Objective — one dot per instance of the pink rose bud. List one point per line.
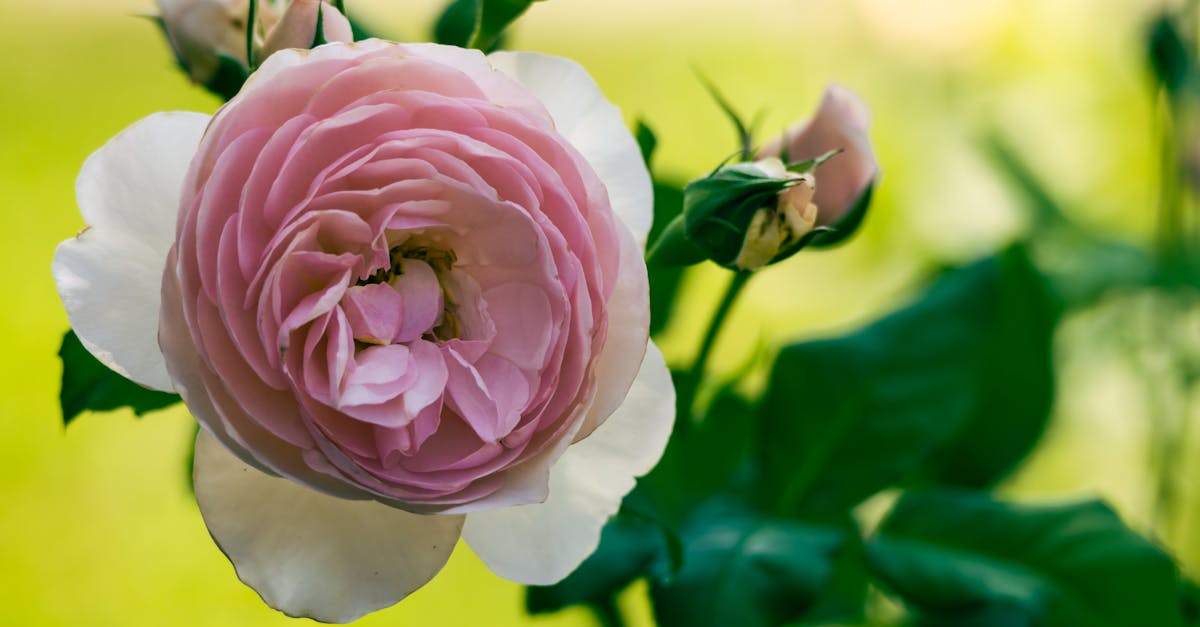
(202, 31)
(297, 27)
(840, 123)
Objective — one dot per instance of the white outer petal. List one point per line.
(312, 555)
(109, 276)
(595, 128)
(542, 543)
(628, 311)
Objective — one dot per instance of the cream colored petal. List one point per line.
(313, 555)
(110, 275)
(595, 128)
(542, 543)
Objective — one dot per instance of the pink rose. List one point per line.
(840, 123)
(402, 290)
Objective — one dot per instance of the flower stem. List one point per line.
(607, 613)
(251, 20)
(696, 373)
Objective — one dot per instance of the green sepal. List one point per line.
(672, 248)
(744, 132)
(847, 225)
(718, 209)
(804, 167)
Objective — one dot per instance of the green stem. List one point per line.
(607, 613)
(251, 19)
(696, 373)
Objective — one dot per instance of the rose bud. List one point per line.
(402, 289)
(203, 31)
(297, 28)
(747, 215)
(846, 182)
(750, 214)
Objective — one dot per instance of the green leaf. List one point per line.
(844, 418)
(227, 81)
(88, 385)
(702, 459)
(458, 23)
(496, 16)
(630, 547)
(1080, 265)
(646, 140)
(743, 568)
(961, 558)
(1169, 55)
(477, 23)
(664, 279)
(1015, 383)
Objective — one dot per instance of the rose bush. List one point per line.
(401, 287)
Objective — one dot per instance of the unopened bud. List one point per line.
(774, 230)
(203, 31)
(840, 123)
(297, 28)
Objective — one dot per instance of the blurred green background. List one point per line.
(97, 526)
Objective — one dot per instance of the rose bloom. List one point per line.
(401, 288)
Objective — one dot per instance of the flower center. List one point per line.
(410, 298)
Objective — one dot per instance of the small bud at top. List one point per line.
(297, 28)
(203, 31)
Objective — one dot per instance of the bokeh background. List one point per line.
(97, 525)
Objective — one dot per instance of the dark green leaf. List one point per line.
(1170, 56)
(227, 81)
(1081, 266)
(702, 459)
(646, 140)
(843, 599)
(458, 23)
(88, 385)
(742, 568)
(494, 17)
(844, 418)
(971, 560)
(1015, 383)
(629, 548)
(664, 279)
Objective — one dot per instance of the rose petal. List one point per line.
(312, 555)
(595, 128)
(540, 544)
(110, 275)
(628, 335)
